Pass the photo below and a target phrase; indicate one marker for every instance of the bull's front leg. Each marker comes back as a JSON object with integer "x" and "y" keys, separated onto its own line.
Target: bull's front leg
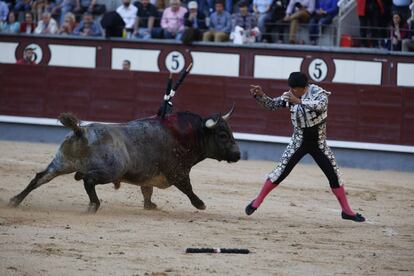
{"x": 183, "y": 183}
{"x": 147, "y": 193}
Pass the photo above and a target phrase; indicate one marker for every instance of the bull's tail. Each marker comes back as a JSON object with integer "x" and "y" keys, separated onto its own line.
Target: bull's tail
{"x": 70, "y": 121}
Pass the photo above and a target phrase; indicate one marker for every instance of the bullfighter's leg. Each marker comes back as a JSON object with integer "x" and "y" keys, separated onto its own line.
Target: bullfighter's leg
{"x": 147, "y": 193}
{"x": 41, "y": 178}
{"x": 184, "y": 185}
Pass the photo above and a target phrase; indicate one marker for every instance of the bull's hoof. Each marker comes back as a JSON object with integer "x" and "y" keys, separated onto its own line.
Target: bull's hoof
{"x": 150, "y": 206}
{"x": 14, "y": 202}
{"x": 199, "y": 205}
{"x": 92, "y": 208}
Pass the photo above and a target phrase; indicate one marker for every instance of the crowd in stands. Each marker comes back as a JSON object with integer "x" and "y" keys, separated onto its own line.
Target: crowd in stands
{"x": 383, "y": 23}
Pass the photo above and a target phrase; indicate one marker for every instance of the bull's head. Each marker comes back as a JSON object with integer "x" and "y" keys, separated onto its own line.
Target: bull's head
{"x": 220, "y": 141}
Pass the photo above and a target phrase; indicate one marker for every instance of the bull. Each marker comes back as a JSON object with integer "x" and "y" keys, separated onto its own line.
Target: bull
{"x": 150, "y": 152}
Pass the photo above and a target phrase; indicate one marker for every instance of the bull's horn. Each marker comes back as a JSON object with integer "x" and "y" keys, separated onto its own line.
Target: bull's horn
{"x": 210, "y": 123}
{"x": 227, "y": 116}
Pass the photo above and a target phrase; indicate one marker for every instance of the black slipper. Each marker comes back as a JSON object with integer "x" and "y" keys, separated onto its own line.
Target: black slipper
{"x": 358, "y": 217}
{"x": 250, "y": 209}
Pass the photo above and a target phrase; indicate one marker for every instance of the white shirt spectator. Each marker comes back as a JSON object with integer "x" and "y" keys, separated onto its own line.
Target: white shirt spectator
{"x": 47, "y": 28}
{"x": 128, "y": 14}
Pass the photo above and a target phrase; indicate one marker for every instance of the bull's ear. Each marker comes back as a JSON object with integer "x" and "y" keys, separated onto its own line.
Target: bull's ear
{"x": 212, "y": 121}
{"x": 227, "y": 116}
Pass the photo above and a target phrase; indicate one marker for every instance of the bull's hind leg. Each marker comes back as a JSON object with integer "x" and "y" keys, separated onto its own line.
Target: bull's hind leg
{"x": 147, "y": 193}
{"x": 40, "y": 179}
{"x": 184, "y": 185}
{"x": 94, "y": 203}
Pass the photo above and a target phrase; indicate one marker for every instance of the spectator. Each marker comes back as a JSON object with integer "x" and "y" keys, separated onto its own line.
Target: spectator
{"x": 172, "y": 21}
{"x": 398, "y": 32}
{"x": 29, "y": 57}
{"x": 4, "y": 11}
{"x": 126, "y": 65}
{"x": 11, "y": 25}
{"x": 128, "y": 12}
{"x": 220, "y": 24}
{"x": 246, "y": 21}
{"x": 298, "y": 11}
{"x": 402, "y": 7}
{"x": 82, "y": 6}
{"x": 369, "y": 13}
{"x": 69, "y": 24}
{"x": 408, "y": 44}
{"x": 262, "y": 10}
{"x": 87, "y": 27}
{"x": 144, "y": 23}
{"x": 62, "y": 7}
{"x": 195, "y": 23}
{"x": 47, "y": 25}
{"x": 22, "y": 5}
{"x": 325, "y": 11}
{"x": 276, "y": 24}
{"x": 228, "y": 5}
{"x": 28, "y": 26}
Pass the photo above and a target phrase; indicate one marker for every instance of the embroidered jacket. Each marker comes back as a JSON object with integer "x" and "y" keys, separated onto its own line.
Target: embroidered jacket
{"x": 312, "y": 111}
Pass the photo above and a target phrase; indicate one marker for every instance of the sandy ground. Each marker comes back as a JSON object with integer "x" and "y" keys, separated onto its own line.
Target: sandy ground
{"x": 297, "y": 231}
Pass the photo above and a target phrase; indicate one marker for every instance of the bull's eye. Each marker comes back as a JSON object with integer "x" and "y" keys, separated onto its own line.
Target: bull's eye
{"x": 223, "y": 136}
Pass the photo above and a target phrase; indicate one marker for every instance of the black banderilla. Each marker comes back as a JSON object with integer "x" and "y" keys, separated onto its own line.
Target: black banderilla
{"x": 170, "y": 92}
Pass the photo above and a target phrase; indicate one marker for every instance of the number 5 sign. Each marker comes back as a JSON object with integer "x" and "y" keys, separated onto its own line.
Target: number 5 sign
{"x": 318, "y": 69}
{"x": 175, "y": 61}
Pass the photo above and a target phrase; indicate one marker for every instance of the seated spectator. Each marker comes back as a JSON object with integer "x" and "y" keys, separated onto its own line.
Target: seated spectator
{"x": 10, "y": 26}
{"x": 262, "y": 10}
{"x": 29, "y": 57}
{"x": 298, "y": 11}
{"x": 41, "y": 6}
{"x": 228, "y": 5}
{"x": 325, "y": 11}
{"x": 47, "y": 25}
{"x": 69, "y": 24}
{"x": 195, "y": 23}
{"x": 144, "y": 23}
{"x": 402, "y": 7}
{"x": 408, "y": 44}
{"x": 398, "y": 32}
{"x": 276, "y": 24}
{"x": 369, "y": 13}
{"x": 4, "y": 11}
{"x": 27, "y": 26}
{"x": 90, "y": 6}
{"x": 62, "y": 7}
{"x": 87, "y": 27}
{"x": 22, "y": 6}
{"x": 172, "y": 21}
{"x": 246, "y": 22}
{"x": 128, "y": 12}
{"x": 220, "y": 24}
{"x": 113, "y": 24}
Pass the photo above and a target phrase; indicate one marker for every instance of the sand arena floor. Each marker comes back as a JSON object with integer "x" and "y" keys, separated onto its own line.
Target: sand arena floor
{"x": 297, "y": 231}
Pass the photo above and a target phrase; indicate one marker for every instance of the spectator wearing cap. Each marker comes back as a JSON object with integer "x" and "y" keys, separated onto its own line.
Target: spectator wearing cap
{"x": 172, "y": 21}
{"x": 195, "y": 21}
{"x": 27, "y": 26}
{"x": 47, "y": 25}
{"x": 29, "y": 57}
{"x": 298, "y": 11}
{"x": 325, "y": 11}
{"x": 128, "y": 12}
{"x": 87, "y": 27}
{"x": 262, "y": 11}
{"x": 220, "y": 24}
{"x": 145, "y": 21}
{"x": 10, "y": 26}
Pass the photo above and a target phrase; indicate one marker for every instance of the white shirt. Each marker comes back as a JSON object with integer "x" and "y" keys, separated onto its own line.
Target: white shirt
{"x": 128, "y": 14}
{"x": 51, "y": 28}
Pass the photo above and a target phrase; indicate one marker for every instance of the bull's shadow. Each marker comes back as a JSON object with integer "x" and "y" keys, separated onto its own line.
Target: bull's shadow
{"x": 158, "y": 151}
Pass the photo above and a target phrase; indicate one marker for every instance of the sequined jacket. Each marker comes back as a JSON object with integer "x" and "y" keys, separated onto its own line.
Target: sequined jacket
{"x": 312, "y": 111}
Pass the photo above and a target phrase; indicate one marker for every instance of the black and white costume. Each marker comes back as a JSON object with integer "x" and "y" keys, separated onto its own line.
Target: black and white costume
{"x": 309, "y": 135}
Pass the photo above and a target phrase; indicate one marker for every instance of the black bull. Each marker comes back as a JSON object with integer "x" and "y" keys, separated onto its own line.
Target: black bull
{"x": 150, "y": 152}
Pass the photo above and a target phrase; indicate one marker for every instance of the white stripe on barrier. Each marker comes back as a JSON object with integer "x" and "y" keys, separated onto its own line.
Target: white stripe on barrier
{"x": 237, "y": 135}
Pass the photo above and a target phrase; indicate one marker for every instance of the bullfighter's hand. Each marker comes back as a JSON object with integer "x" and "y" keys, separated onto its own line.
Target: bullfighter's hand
{"x": 289, "y": 97}
{"x": 256, "y": 90}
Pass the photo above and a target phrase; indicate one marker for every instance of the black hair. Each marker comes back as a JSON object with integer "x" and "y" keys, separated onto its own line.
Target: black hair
{"x": 297, "y": 79}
